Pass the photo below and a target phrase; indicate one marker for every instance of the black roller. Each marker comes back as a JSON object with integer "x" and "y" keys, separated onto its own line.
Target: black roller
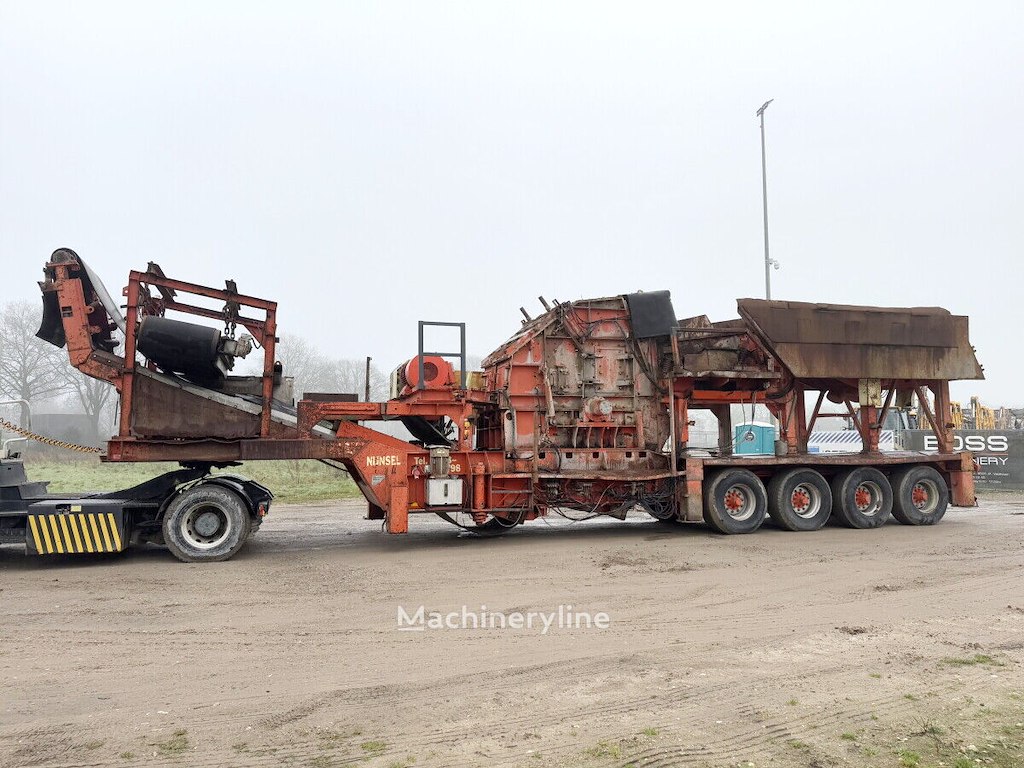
{"x": 178, "y": 347}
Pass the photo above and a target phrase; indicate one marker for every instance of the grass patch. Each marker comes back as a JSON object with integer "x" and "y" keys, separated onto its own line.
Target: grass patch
{"x": 291, "y": 481}
{"x": 94, "y": 744}
{"x": 333, "y": 739}
{"x": 955, "y": 732}
{"x": 605, "y": 749}
{"x": 127, "y": 755}
{"x": 792, "y": 703}
{"x": 175, "y": 745}
{"x": 970, "y": 661}
{"x": 649, "y": 732}
{"x": 931, "y": 729}
{"x": 374, "y": 747}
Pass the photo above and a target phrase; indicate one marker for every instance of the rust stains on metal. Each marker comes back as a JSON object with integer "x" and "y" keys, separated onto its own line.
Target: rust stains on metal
{"x": 166, "y": 411}
{"x": 817, "y": 341}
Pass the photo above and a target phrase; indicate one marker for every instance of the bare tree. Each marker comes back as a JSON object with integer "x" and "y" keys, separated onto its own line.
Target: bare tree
{"x": 303, "y": 362}
{"x": 93, "y": 396}
{"x": 350, "y": 376}
{"x": 30, "y": 369}
{"x": 315, "y": 372}
{"x": 380, "y": 384}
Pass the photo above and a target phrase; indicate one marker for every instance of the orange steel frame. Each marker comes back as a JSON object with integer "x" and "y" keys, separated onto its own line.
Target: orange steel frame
{"x": 390, "y": 471}
{"x": 264, "y": 331}
{"x": 82, "y": 350}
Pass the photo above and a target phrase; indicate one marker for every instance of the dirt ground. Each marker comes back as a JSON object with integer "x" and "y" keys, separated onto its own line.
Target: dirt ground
{"x": 891, "y": 647}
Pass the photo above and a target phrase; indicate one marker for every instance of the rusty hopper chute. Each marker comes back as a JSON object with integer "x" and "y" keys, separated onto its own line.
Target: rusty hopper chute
{"x": 834, "y": 341}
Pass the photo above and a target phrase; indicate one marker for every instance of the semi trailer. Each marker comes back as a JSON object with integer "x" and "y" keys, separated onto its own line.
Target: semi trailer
{"x": 584, "y": 411}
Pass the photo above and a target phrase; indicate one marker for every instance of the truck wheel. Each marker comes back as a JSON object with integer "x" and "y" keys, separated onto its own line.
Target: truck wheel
{"x": 735, "y": 501}
{"x": 862, "y": 497}
{"x": 799, "y": 499}
{"x": 920, "y": 496}
{"x": 206, "y": 523}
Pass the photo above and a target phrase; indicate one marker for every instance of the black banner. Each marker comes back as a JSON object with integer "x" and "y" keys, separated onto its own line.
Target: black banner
{"x": 998, "y": 454}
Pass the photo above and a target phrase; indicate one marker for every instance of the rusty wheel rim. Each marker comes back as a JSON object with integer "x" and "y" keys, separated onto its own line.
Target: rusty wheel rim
{"x": 805, "y": 501}
{"x": 739, "y": 502}
{"x": 867, "y": 498}
{"x": 925, "y": 496}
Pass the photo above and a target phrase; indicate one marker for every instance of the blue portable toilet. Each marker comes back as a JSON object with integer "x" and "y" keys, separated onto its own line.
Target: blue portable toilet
{"x": 756, "y": 438}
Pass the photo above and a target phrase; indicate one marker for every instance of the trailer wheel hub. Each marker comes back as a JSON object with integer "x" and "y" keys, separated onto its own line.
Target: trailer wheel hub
{"x": 207, "y": 523}
{"x": 805, "y": 501}
{"x": 738, "y": 503}
{"x": 801, "y": 499}
{"x": 924, "y": 496}
{"x": 868, "y": 499}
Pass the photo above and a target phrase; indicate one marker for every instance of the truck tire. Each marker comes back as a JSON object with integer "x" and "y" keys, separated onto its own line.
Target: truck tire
{"x": 920, "y": 496}
{"x": 735, "y": 501}
{"x": 206, "y": 523}
{"x": 861, "y": 497}
{"x": 799, "y": 499}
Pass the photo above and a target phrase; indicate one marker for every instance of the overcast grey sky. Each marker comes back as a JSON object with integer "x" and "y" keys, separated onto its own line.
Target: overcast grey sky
{"x": 371, "y": 164}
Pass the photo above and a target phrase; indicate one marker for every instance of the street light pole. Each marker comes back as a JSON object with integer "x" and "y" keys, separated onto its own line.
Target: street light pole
{"x": 768, "y": 263}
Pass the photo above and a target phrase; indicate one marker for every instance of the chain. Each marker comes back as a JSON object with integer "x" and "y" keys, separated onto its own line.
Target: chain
{"x": 47, "y": 440}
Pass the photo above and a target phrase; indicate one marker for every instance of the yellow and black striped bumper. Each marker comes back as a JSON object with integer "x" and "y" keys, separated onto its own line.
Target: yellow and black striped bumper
{"x": 74, "y": 531}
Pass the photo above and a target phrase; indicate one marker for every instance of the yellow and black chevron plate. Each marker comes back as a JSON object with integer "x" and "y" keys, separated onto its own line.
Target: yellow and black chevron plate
{"x": 75, "y": 532}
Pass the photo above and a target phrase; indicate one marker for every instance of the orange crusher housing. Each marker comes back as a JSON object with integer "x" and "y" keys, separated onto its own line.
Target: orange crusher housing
{"x": 584, "y": 411}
